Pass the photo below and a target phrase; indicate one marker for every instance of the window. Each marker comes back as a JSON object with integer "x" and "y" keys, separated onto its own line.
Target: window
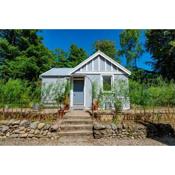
{"x": 106, "y": 83}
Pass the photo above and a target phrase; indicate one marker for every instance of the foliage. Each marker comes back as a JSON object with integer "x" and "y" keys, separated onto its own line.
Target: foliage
{"x": 135, "y": 92}
{"x": 106, "y": 46}
{"x": 143, "y": 76}
{"x": 71, "y": 58}
{"x": 35, "y": 92}
{"x": 67, "y": 93}
{"x": 106, "y": 86}
{"x": 94, "y": 90}
{"x": 118, "y": 95}
{"x": 59, "y": 92}
{"x": 76, "y": 55}
{"x": 120, "y": 89}
{"x": 160, "y": 43}
{"x": 61, "y": 58}
{"x": 160, "y": 93}
{"x": 23, "y": 55}
{"x": 117, "y": 105}
{"x": 15, "y": 93}
{"x": 107, "y": 83}
{"x": 131, "y": 46}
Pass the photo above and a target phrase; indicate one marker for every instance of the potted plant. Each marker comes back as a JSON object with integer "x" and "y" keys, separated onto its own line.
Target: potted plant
{"x": 95, "y": 102}
{"x": 60, "y": 100}
{"x": 59, "y": 93}
{"x": 66, "y": 103}
{"x": 61, "y": 112}
{"x": 118, "y": 106}
{"x": 62, "y": 92}
{"x": 67, "y": 95}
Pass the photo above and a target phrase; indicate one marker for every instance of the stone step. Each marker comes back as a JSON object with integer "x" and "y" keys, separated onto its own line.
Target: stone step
{"x": 76, "y": 121}
{"x": 76, "y": 127}
{"x": 77, "y": 116}
{"x": 76, "y": 133}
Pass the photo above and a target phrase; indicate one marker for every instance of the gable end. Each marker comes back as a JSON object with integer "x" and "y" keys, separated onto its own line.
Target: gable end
{"x": 99, "y": 62}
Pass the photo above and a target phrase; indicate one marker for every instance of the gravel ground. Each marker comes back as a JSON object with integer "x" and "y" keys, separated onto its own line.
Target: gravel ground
{"x": 88, "y": 141}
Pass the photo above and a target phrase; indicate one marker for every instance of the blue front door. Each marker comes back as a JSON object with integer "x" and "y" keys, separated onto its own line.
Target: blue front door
{"x": 78, "y": 92}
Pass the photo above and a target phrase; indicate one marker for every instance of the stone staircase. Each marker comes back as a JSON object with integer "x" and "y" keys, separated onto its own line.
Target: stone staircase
{"x": 76, "y": 123}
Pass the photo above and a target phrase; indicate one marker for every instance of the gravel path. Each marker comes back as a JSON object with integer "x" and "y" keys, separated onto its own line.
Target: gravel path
{"x": 88, "y": 141}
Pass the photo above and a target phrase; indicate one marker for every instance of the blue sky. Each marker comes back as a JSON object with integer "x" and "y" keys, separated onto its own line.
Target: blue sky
{"x": 85, "y": 39}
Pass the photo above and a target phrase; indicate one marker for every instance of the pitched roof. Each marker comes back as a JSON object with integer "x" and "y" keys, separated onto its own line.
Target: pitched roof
{"x": 57, "y": 72}
{"x": 69, "y": 71}
{"x": 104, "y": 56}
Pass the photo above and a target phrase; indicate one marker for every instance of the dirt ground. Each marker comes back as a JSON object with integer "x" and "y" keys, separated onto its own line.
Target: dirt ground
{"x": 88, "y": 141}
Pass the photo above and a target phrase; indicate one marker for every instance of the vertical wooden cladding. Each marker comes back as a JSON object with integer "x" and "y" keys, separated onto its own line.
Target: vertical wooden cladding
{"x": 98, "y": 64}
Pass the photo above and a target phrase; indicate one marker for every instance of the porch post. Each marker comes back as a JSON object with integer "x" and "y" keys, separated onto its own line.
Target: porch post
{"x": 92, "y": 96}
{"x": 71, "y": 92}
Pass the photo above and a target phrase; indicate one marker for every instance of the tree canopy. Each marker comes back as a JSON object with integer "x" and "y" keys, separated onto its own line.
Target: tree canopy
{"x": 61, "y": 58}
{"x": 76, "y": 55}
{"x": 23, "y": 55}
{"x": 106, "y": 46}
{"x": 72, "y": 58}
{"x": 161, "y": 44}
{"x": 131, "y": 47}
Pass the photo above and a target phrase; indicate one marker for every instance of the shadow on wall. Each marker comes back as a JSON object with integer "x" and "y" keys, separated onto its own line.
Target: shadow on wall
{"x": 163, "y": 133}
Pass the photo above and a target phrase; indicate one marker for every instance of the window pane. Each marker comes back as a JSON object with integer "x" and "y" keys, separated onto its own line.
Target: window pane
{"x": 107, "y": 83}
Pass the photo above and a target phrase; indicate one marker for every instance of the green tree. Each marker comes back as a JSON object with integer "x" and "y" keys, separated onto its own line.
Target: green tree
{"x": 23, "y": 55}
{"x": 106, "y": 46}
{"x": 131, "y": 48}
{"x": 61, "y": 58}
{"x": 76, "y": 55}
{"x": 161, "y": 44}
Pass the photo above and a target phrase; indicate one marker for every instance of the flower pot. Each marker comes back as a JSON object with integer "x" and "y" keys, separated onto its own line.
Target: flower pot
{"x": 95, "y": 105}
{"x": 66, "y": 107}
{"x": 61, "y": 113}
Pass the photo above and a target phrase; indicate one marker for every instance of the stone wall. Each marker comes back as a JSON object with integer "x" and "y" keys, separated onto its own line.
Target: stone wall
{"x": 26, "y": 129}
{"x": 132, "y": 130}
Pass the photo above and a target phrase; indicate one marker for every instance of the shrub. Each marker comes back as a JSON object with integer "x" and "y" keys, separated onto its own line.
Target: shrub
{"x": 36, "y": 92}
{"x": 118, "y": 105}
{"x": 159, "y": 93}
{"x": 15, "y": 93}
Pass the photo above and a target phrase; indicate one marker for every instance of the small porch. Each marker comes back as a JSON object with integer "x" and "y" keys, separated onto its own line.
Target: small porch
{"x": 78, "y": 92}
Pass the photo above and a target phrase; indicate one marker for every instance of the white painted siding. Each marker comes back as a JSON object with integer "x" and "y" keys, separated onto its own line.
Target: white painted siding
{"x": 102, "y": 64}
{"x": 90, "y": 66}
{"x": 97, "y": 78}
{"x": 50, "y": 82}
{"x": 95, "y": 63}
{"x": 88, "y": 81}
{"x": 108, "y": 66}
{"x": 99, "y": 64}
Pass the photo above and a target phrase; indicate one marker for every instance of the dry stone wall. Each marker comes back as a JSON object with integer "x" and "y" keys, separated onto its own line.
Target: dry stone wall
{"x": 132, "y": 130}
{"x": 27, "y": 129}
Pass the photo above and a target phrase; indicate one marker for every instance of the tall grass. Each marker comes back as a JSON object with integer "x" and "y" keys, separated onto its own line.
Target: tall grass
{"x": 155, "y": 94}
{"x": 18, "y": 93}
